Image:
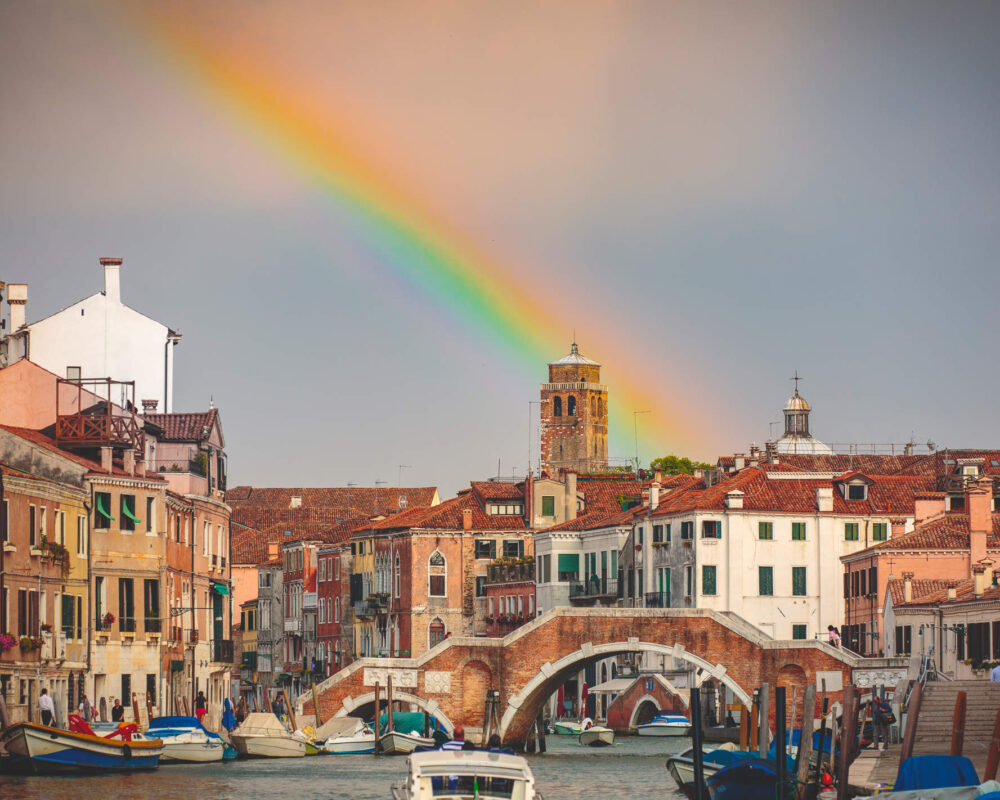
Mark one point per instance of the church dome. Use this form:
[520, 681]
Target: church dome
[796, 403]
[574, 357]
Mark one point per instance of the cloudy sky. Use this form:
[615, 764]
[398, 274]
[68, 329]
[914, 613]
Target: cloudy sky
[710, 195]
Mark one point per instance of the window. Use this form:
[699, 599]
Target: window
[880, 532]
[708, 579]
[480, 586]
[657, 534]
[151, 605]
[711, 529]
[505, 509]
[149, 514]
[486, 548]
[61, 527]
[396, 575]
[855, 584]
[903, 640]
[73, 373]
[765, 530]
[568, 567]
[4, 521]
[864, 584]
[978, 635]
[548, 505]
[798, 531]
[435, 633]
[32, 526]
[799, 581]
[687, 530]
[557, 407]
[571, 406]
[68, 610]
[640, 536]
[799, 631]
[102, 510]
[857, 491]
[513, 548]
[667, 533]
[436, 575]
[126, 606]
[873, 581]
[177, 528]
[321, 576]
[850, 531]
[128, 519]
[81, 535]
[765, 581]
[689, 581]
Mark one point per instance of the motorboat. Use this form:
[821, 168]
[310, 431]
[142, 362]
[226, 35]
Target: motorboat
[345, 736]
[681, 765]
[261, 735]
[185, 739]
[567, 728]
[597, 736]
[747, 779]
[666, 724]
[404, 732]
[397, 743]
[466, 774]
[46, 750]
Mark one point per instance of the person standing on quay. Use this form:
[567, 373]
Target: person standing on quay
[46, 706]
[118, 711]
[995, 674]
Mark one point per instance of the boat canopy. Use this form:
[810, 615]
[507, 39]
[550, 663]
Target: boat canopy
[261, 723]
[406, 722]
[339, 726]
[614, 686]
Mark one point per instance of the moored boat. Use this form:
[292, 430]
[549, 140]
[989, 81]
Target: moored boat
[346, 736]
[186, 740]
[461, 774]
[261, 735]
[41, 749]
[597, 736]
[395, 743]
[746, 779]
[567, 728]
[666, 724]
[681, 766]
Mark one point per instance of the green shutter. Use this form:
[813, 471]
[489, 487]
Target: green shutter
[548, 505]
[708, 580]
[128, 511]
[100, 507]
[879, 531]
[799, 631]
[614, 564]
[568, 562]
[798, 531]
[667, 538]
[765, 530]
[766, 581]
[68, 608]
[799, 581]
[850, 531]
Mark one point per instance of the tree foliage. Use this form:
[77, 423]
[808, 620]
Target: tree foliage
[675, 465]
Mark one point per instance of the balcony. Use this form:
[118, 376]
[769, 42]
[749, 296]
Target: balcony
[657, 600]
[152, 624]
[293, 625]
[309, 600]
[511, 573]
[222, 651]
[96, 421]
[594, 589]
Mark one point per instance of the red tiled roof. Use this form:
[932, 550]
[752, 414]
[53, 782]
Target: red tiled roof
[949, 531]
[185, 427]
[921, 587]
[868, 464]
[965, 592]
[499, 490]
[93, 467]
[449, 516]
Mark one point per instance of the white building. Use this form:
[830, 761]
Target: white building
[97, 337]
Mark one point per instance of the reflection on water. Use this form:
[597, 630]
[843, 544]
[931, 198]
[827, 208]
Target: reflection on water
[632, 768]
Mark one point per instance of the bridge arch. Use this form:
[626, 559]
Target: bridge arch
[525, 705]
[432, 707]
[645, 700]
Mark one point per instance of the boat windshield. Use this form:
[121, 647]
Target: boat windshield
[470, 787]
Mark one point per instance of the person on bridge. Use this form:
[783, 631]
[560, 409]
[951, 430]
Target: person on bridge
[833, 635]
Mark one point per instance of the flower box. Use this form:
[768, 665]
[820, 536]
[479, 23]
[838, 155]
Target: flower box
[9, 547]
[34, 552]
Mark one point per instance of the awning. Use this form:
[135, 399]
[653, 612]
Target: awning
[568, 562]
[220, 588]
[614, 686]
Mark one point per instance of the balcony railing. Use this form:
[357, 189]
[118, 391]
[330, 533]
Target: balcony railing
[192, 636]
[600, 587]
[657, 600]
[510, 573]
[222, 651]
[126, 624]
[152, 624]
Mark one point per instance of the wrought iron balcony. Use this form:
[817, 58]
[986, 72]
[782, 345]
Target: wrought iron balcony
[222, 651]
[657, 600]
[511, 573]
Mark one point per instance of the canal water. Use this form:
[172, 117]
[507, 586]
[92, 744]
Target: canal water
[632, 768]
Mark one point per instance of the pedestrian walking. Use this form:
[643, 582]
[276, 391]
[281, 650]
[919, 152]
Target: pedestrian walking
[882, 717]
[200, 706]
[833, 636]
[46, 707]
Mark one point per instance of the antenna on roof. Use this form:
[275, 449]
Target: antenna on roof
[399, 474]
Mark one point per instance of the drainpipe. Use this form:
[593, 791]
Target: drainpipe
[194, 616]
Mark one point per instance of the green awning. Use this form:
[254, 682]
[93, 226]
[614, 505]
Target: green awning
[568, 562]
[128, 513]
[100, 507]
[220, 588]
[176, 666]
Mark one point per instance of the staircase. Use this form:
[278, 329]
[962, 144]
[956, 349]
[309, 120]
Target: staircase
[937, 709]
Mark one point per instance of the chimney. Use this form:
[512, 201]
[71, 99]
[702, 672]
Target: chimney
[272, 550]
[927, 505]
[17, 299]
[140, 467]
[570, 495]
[106, 459]
[466, 519]
[979, 502]
[658, 476]
[898, 526]
[529, 500]
[734, 499]
[952, 590]
[739, 461]
[979, 578]
[112, 280]
[149, 406]
[654, 496]
[907, 587]
[824, 498]
[128, 461]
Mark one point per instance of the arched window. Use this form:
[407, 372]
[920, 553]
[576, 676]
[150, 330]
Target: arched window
[396, 577]
[437, 572]
[435, 634]
[557, 407]
[600, 407]
[593, 406]
[571, 406]
[336, 610]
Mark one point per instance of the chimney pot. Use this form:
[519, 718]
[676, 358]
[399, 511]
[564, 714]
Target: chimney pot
[112, 279]
[106, 459]
[907, 587]
[952, 589]
[824, 498]
[149, 405]
[17, 301]
[898, 525]
[128, 461]
[466, 519]
[658, 476]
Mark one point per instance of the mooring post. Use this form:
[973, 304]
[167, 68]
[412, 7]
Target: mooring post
[764, 731]
[848, 731]
[993, 756]
[540, 725]
[696, 740]
[958, 725]
[744, 727]
[912, 713]
[378, 745]
[779, 732]
[804, 754]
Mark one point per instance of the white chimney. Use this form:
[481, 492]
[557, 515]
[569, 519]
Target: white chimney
[824, 498]
[952, 590]
[734, 499]
[17, 299]
[654, 496]
[112, 280]
[739, 461]
[979, 573]
[570, 497]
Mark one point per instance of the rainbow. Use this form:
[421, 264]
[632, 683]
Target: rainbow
[422, 248]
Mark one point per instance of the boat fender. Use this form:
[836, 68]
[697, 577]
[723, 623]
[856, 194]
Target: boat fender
[127, 751]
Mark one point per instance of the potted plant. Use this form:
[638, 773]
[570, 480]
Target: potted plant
[108, 620]
[26, 643]
[6, 642]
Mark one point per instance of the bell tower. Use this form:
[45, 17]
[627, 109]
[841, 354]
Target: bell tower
[574, 416]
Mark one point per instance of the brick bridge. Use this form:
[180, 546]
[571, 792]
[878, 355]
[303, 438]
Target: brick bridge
[528, 665]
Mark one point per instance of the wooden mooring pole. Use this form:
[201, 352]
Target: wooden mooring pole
[993, 756]
[764, 721]
[806, 741]
[378, 745]
[958, 725]
[848, 738]
[912, 714]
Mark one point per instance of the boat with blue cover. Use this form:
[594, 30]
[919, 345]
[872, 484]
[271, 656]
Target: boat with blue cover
[185, 739]
[46, 750]
[748, 779]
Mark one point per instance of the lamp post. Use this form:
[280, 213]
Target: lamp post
[635, 431]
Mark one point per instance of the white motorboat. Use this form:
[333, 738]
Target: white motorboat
[466, 774]
[395, 743]
[666, 725]
[261, 735]
[567, 728]
[345, 736]
[186, 740]
[597, 736]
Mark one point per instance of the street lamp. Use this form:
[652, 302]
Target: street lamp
[635, 430]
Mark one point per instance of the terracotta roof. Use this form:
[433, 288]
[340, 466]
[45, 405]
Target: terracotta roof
[93, 467]
[499, 490]
[868, 464]
[921, 587]
[185, 427]
[965, 592]
[887, 495]
[591, 522]
[448, 516]
[949, 531]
